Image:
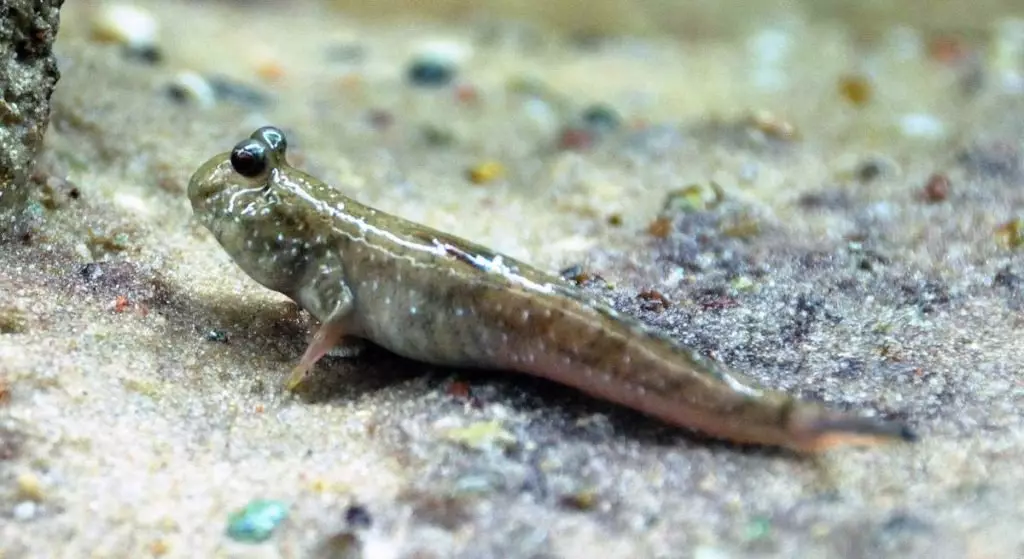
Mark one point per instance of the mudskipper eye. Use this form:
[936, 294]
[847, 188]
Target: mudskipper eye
[273, 137]
[249, 158]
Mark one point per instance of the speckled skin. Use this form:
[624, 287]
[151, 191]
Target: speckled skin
[429, 296]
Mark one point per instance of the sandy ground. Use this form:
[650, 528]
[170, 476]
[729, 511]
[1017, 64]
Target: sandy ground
[140, 371]
[694, 18]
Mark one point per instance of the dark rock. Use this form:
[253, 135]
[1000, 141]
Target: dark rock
[1006, 277]
[28, 74]
[601, 118]
[231, 90]
[147, 54]
[356, 516]
[430, 73]
[869, 170]
[828, 199]
[91, 272]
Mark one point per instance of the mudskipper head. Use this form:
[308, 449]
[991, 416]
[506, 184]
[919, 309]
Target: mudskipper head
[237, 196]
[226, 185]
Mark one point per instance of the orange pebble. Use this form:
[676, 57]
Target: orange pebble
[856, 90]
[120, 304]
[270, 71]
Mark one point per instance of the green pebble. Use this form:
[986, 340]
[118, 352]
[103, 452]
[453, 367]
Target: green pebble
[35, 209]
[256, 522]
[437, 136]
[601, 118]
[759, 528]
[430, 73]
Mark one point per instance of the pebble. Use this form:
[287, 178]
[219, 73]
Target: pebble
[578, 139]
[691, 198]
[1011, 233]
[467, 94]
[601, 118]
[582, 500]
[125, 24]
[137, 205]
[380, 119]
[148, 54]
[922, 125]
[770, 50]
[936, 189]
[227, 89]
[29, 487]
[270, 71]
[447, 51]
[91, 272]
[25, 511]
[206, 91]
[948, 49]
[772, 126]
[660, 227]
[190, 87]
[435, 62]
[436, 136]
[356, 516]
[483, 435]
[216, 335]
[430, 73]
[541, 115]
[257, 521]
[870, 170]
[855, 89]
[485, 172]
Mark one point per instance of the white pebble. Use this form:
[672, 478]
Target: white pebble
[194, 88]
[922, 125]
[125, 24]
[541, 115]
[445, 51]
[133, 204]
[769, 51]
[24, 511]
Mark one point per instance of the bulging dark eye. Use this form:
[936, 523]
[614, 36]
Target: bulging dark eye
[273, 137]
[249, 158]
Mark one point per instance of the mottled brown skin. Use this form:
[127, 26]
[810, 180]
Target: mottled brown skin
[429, 296]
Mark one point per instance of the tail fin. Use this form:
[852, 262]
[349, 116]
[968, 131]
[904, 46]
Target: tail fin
[818, 430]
